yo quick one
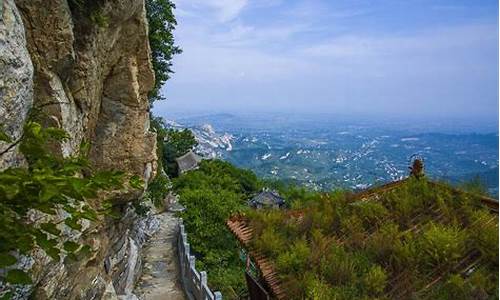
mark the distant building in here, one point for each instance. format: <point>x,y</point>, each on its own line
<point>267,199</point>
<point>187,162</point>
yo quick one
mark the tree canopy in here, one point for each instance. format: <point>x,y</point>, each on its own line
<point>162,22</point>
<point>175,144</point>
<point>211,194</point>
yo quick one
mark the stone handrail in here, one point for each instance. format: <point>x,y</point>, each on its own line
<point>194,282</point>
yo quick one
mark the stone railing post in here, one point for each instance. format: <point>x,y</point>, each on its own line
<point>194,282</point>
<point>203,281</point>
<point>191,276</point>
<point>218,296</point>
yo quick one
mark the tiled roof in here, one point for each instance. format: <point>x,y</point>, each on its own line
<point>241,228</point>
<point>267,198</point>
<point>188,161</point>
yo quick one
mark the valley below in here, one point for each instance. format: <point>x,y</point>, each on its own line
<point>326,152</point>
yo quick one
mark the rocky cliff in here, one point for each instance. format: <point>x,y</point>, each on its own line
<point>86,65</point>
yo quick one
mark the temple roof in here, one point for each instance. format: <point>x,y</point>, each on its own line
<point>240,226</point>
<point>188,161</point>
<point>267,198</point>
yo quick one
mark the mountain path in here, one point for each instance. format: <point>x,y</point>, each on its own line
<point>160,278</point>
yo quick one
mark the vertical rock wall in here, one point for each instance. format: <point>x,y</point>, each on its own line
<point>94,76</point>
<point>16,80</point>
<point>86,64</point>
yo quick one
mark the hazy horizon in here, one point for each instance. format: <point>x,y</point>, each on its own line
<point>269,118</point>
<point>413,59</point>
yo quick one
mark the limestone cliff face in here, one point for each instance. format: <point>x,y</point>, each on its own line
<point>95,78</point>
<point>91,78</point>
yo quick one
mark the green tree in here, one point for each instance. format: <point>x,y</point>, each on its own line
<point>180,141</point>
<point>162,22</point>
<point>211,195</point>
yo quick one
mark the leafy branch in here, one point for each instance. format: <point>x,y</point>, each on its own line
<point>162,22</point>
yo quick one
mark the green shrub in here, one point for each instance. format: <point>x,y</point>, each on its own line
<point>295,259</point>
<point>441,246</point>
<point>455,288</point>
<point>338,267</point>
<point>345,292</point>
<point>229,280</point>
<point>406,253</point>
<point>353,231</point>
<point>475,186</point>
<point>263,219</point>
<point>484,235</point>
<point>316,289</point>
<point>354,248</point>
<point>97,17</point>
<point>370,212</point>
<point>384,242</point>
<point>270,242</point>
<point>375,281</point>
<point>478,286</point>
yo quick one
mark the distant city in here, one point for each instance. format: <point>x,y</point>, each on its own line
<point>328,152</point>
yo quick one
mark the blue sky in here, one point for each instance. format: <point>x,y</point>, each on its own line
<point>384,58</point>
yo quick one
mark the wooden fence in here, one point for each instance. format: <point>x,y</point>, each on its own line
<point>194,282</point>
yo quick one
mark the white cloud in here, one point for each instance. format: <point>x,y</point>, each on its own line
<point>228,9</point>
<point>238,51</point>
<point>223,10</point>
<point>431,42</point>
<point>240,35</point>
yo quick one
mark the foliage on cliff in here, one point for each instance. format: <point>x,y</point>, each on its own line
<point>211,194</point>
<point>91,9</point>
<point>414,241</point>
<point>162,22</point>
<point>50,186</point>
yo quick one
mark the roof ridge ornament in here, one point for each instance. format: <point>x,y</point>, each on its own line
<point>417,166</point>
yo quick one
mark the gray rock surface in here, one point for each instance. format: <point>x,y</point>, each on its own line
<point>16,80</point>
